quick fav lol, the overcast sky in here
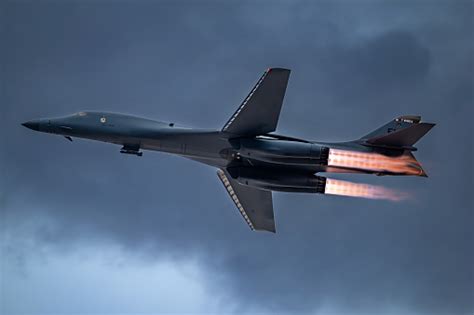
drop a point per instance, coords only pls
(85, 229)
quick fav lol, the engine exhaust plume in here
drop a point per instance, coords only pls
(405, 164)
(345, 188)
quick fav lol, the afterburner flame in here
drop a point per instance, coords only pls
(405, 164)
(345, 188)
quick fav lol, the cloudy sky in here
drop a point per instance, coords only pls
(85, 229)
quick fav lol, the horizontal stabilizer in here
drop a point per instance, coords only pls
(415, 164)
(402, 132)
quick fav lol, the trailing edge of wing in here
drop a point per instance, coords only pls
(255, 206)
(260, 110)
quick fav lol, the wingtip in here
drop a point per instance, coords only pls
(277, 69)
(271, 230)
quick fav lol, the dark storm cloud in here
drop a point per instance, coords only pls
(354, 67)
(394, 59)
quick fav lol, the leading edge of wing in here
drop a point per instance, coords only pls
(255, 205)
(260, 110)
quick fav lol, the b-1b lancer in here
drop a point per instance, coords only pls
(252, 160)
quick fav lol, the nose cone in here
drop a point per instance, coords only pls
(32, 124)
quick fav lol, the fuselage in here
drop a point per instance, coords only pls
(270, 161)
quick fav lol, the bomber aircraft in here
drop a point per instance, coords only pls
(252, 160)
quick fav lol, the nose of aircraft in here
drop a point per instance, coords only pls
(32, 124)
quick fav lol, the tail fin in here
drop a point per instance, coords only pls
(401, 132)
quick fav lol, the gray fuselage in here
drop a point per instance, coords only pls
(269, 158)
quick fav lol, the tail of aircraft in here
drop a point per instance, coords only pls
(399, 134)
(402, 132)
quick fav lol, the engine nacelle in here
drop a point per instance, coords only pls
(273, 180)
(284, 152)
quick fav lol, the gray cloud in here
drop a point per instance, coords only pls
(395, 57)
(354, 67)
(392, 60)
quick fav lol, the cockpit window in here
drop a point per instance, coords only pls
(81, 114)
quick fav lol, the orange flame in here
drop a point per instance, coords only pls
(345, 188)
(404, 164)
